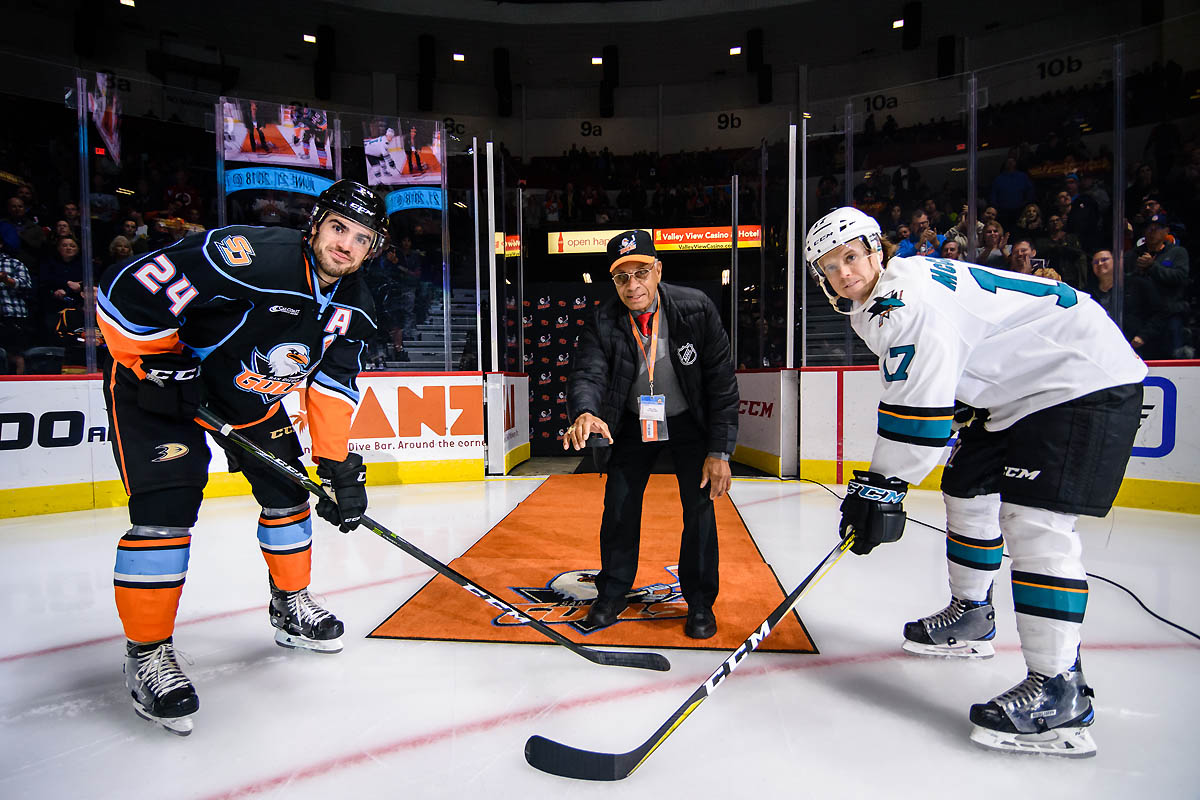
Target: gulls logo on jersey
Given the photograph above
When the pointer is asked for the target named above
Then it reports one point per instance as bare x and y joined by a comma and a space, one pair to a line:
687, 354
884, 306
275, 374
171, 451
567, 597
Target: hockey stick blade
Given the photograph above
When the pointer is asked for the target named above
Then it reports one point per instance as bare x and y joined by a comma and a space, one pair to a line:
563, 760
635, 659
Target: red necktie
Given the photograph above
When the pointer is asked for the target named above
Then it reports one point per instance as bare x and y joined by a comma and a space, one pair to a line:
643, 321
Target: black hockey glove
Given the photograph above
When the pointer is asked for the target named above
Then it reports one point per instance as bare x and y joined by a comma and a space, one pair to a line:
172, 386
346, 482
873, 511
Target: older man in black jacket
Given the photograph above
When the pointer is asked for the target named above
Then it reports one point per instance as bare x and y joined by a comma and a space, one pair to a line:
652, 369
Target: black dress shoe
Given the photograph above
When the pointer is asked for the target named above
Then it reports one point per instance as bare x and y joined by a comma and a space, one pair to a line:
603, 614
701, 623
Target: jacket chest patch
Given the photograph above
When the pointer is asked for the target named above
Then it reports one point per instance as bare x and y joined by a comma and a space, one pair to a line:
687, 354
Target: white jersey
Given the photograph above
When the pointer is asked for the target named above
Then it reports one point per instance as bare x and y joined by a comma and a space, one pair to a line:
1011, 343
377, 147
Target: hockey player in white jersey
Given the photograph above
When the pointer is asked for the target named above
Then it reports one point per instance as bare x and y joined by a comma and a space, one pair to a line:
1048, 395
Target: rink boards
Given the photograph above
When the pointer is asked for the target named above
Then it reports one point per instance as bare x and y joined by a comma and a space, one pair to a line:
55, 452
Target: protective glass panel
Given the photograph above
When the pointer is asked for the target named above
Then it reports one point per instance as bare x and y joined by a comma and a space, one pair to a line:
43, 268
1161, 198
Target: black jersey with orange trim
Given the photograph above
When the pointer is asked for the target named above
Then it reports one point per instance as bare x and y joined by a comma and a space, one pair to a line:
246, 300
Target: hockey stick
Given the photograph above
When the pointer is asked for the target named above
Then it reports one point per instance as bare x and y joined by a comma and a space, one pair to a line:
570, 762
639, 660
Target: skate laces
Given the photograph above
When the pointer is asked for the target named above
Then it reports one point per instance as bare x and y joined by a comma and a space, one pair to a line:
1024, 693
948, 615
306, 609
160, 670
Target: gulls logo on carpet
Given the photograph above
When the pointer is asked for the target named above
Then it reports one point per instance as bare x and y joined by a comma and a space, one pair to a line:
567, 597
687, 354
170, 451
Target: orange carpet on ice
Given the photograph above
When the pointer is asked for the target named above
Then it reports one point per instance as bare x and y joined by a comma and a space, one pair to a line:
542, 558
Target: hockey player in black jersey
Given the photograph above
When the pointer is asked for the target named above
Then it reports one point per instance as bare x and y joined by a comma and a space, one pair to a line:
234, 318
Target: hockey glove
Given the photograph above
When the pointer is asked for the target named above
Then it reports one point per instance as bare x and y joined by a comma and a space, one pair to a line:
346, 482
172, 386
873, 511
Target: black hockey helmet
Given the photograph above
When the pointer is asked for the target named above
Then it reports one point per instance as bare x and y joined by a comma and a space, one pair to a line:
356, 203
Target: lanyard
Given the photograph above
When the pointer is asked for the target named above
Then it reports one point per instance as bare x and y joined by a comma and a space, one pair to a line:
653, 345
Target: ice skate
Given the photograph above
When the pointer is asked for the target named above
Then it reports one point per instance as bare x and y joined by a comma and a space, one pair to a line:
161, 693
963, 629
1041, 715
302, 624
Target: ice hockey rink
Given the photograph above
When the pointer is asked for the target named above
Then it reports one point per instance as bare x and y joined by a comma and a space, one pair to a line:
389, 718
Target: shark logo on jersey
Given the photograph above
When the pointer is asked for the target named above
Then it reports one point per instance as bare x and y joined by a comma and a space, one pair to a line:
567, 597
275, 374
884, 306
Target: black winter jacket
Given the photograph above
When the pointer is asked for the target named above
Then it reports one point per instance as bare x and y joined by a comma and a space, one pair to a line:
605, 365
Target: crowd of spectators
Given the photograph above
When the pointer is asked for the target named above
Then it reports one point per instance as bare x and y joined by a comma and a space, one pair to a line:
1061, 228
1045, 209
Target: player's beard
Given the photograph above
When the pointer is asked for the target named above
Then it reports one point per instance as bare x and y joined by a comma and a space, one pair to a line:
329, 267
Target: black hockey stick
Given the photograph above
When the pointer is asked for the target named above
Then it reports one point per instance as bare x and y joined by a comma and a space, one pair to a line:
639, 660
570, 762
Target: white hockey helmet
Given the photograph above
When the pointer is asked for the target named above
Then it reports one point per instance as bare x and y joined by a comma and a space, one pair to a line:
838, 227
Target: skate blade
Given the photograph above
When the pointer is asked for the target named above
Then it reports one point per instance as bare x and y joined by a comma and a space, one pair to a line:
180, 726
296, 642
1060, 742
978, 649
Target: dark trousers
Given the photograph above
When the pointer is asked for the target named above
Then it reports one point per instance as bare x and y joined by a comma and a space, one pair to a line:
629, 468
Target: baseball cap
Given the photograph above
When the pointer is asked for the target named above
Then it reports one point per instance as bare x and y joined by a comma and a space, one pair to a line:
1158, 219
631, 246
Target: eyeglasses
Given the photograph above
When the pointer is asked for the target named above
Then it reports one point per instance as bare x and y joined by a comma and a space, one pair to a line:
622, 278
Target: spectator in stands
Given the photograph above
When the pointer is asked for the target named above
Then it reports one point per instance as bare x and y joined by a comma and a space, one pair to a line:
958, 231
119, 249
570, 202
1085, 218
33, 210
1011, 190
1167, 267
1029, 222
1143, 312
1064, 252
61, 280
70, 212
1022, 255
1051, 149
938, 221
922, 239
20, 235
906, 181
552, 209
989, 214
951, 249
15, 328
1143, 185
135, 234
994, 249
892, 221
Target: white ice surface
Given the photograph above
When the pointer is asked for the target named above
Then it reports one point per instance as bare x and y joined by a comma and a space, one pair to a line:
407, 719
